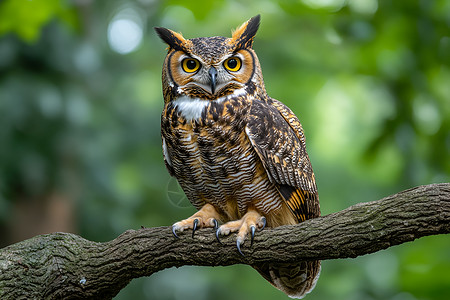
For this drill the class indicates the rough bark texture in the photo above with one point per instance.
(66, 266)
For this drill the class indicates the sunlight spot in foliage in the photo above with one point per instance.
(393, 62)
(86, 58)
(176, 16)
(161, 284)
(148, 89)
(367, 7)
(333, 37)
(78, 108)
(50, 101)
(125, 31)
(350, 113)
(382, 269)
(332, 5)
(426, 115)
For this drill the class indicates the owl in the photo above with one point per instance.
(238, 154)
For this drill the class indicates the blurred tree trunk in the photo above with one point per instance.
(66, 266)
(48, 213)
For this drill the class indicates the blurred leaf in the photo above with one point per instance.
(26, 17)
(200, 8)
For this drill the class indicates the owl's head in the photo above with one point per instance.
(211, 67)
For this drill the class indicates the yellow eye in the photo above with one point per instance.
(233, 64)
(190, 65)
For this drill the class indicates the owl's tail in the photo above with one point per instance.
(296, 280)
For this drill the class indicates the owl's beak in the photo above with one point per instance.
(213, 75)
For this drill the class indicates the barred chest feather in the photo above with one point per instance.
(206, 148)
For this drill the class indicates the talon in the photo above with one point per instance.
(263, 219)
(174, 232)
(217, 236)
(194, 227)
(253, 229)
(216, 224)
(238, 244)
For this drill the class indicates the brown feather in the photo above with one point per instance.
(242, 37)
(173, 39)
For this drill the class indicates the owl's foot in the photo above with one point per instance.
(249, 223)
(207, 216)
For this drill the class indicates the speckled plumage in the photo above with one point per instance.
(239, 155)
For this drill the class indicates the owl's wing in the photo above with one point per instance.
(277, 137)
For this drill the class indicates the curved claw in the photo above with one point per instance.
(174, 232)
(194, 227)
(238, 245)
(253, 229)
(216, 224)
(217, 235)
(263, 219)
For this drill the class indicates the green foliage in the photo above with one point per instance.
(79, 117)
(26, 18)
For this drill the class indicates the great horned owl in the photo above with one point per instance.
(238, 154)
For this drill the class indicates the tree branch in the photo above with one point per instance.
(62, 265)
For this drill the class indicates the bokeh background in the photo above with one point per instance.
(80, 103)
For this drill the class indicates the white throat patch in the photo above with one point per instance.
(191, 108)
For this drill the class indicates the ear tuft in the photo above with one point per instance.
(173, 39)
(243, 36)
